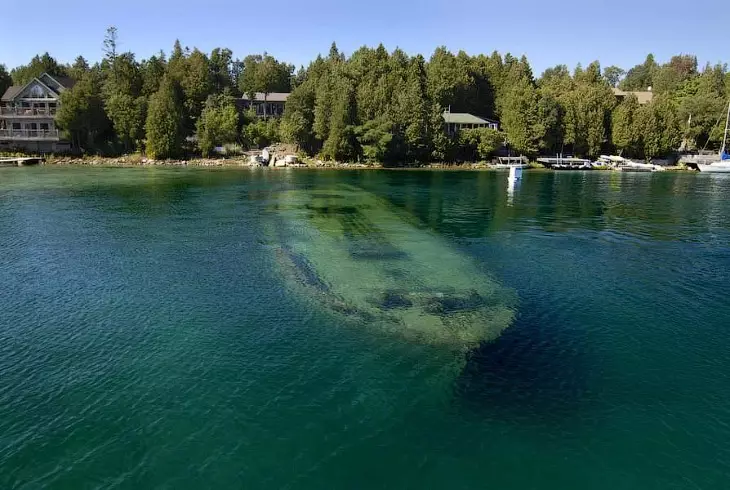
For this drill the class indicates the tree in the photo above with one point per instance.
(263, 73)
(152, 71)
(480, 143)
(297, 123)
(79, 68)
(613, 75)
(626, 127)
(39, 65)
(5, 79)
(164, 121)
(81, 112)
(218, 123)
(111, 40)
(123, 99)
(660, 128)
(520, 118)
(221, 70)
(640, 77)
(197, 85)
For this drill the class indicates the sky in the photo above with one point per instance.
(620, 32)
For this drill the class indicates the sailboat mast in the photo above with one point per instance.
(724, 136)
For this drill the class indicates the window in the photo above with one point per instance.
(36, 92)
(16, 126)
(44, 126)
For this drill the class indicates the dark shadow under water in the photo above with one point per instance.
(535, 372)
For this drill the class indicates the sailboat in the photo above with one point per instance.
(723, 165)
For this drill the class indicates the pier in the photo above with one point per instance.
(21, 161)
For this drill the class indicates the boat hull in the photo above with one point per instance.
(716, 167)
(375, 266)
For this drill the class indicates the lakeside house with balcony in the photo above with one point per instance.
(266, 105)
(27, 115)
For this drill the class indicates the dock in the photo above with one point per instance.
(21, 161)
(566, 163)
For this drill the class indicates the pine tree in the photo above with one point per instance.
(164, 121)
(218, 123)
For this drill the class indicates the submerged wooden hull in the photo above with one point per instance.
(360, 257)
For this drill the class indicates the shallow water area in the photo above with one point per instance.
(170, 328)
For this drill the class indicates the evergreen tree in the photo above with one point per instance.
(81, 112)
(5, 79)
(520, 118)
(39, 65)
(152, 71)
(164, 121)
(123, 101)
(626, 127)
(218, 123)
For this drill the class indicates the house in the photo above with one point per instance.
(456, 121)
(27, 115)
(266, 104)
(644, 97)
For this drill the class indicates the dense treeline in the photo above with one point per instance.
(380, 106)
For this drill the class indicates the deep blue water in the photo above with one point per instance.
(149, 340)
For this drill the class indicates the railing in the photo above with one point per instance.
(27, 111)
(29, 134)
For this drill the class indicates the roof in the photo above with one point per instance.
(11, 92)
(271, 97)
(14, 90)
(66, 82)
(644, 97)
(465, 118)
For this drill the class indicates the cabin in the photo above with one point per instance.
(644, 97)
(456, 121)
(27, 115)
(266, 105)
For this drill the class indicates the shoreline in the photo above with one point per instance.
(132, 161)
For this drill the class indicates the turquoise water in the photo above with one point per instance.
(149, 338)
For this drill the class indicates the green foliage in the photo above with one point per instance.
(152, 71)
(39, 65)
(81, 112)
(297, 123)
(5, 79)
(626, 127)
(197, 85)
(218, 123)
(222, 70)
(385, 106)
(263, 73)
(260, 133)
(480, 143)
(164, 121)
(123, 101)
(640, 77)
(613, 75)
(660, 128)
(520, 118)
(375, 137)
(79, 68)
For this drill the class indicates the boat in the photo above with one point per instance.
(723, 164)
(626, 165)
(376, 267)
(566, 163)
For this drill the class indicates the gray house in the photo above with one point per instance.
(27, 115)
(266, 104)
(456, 121)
